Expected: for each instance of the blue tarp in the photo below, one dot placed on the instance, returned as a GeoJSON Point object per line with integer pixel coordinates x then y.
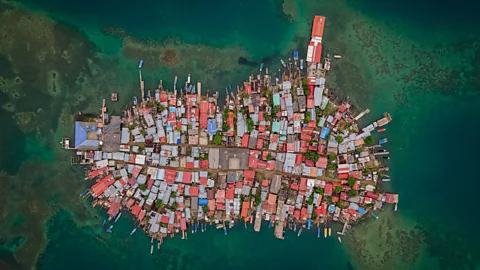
{"type": "Point", "coordinates": [331, 208]}
{"type": "Point", "coordinates": [202, 202]}
{"type": "Point", "coordinates": [212, 127]}
{"type": "Point", "coordinates": [324, 133]}
{"type": "Point", "coordinates": [361, 210]}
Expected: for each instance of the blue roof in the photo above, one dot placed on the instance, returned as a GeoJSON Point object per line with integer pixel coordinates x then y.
{"type": "Point", "coordinates": [324, 132]}
{"type": "Point", "coordinates": [361, 210]}
{"type": "Point", "coordinates": [81, 130]}
{"type": "Point", "coordinates": [276, 127]}
{"type": "Point", "coordinates": [212, 127]}
{"type": "Point", "coordinates": [276, 100]}
{"type": "Point", "coordinates": [331, 208]}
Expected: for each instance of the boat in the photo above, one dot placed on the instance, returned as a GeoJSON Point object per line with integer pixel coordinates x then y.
{"type": "Point", "coordinates": [329, 231]}
{"type": "Point", "coordinates": [309, 224]}
{"type": "Point", "coordinates": [193, 228]}
{"type": "Point", "coordinates": [83, 193]}
{"type": "Point", "coordinates": [133, 231]}
{"type": "Point", "coordinates": [104, 221]}
{"type": "Point", "coordinates": [396, 207]}
{"type": "Point", "coordinates": [109, 230]}
{"type": "Point", "coordinates": [225, 230]}
{"type": "Point", "coordinates": [301, 63]}
{"type": "Point", "coordinates": [140, 64]}
{"type": "Point", "coordinates": [151, 249]}
{"type": "Point", "coordinates": [385, 179]}
{"type": "Point", "coordinates": [318, 232]}
{"type": "Point", "coordinates": [382, 141]}
{"type": "Point", "coordinates": [382, 130]}
{"type": "Point", "coordinates": [270, 224]}
{"type": "Point", "coordinates": [283, 63]}
{"type": "Point", "coordinates": [261, 67]}
{"type": "Point", "coordinates": [299, 232]}
{"type": "Point", "coordinates": [295, 55]}
{"type": "Point", "coordinates": [175, 81]}
{"type": "Point", "coordinates": [202, 227]}
{"type": "Point", "coordinates": [188, 79]}
{"type": "Point", "coordinates": [325, 232]}
{"type": "Point", "coordinates": [118, 217]}
{"type": "Point", "coordinates": [374, 216]}
{"type": "Point", "coordinates": [339, 239]}
{"type": "Point", "coordinates": [134, 100]}
{"type": "Point", "coordinates": [336, 56]}
{"type": "Point", "coordinates": [327, 64]}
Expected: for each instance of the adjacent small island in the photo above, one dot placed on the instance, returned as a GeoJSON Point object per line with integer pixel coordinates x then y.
{"type": "Point", "coordinates": [279, 149]}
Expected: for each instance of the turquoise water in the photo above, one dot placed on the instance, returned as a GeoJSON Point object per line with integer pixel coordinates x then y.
{"type": "Point", "coordinates": [418, 60]}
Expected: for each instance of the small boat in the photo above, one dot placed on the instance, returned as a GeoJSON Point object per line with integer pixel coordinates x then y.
{"type": "Point", "coordinates": [104, 221]}
{"type": "Point", "coordinates": [299, 232]}
{"type": "Point", "coordinates": [118, 217]}
{"type": "Point", "coordinates": [396, 206]}
{"type": "Point", "coordinates": [301, 63]}
{"type": "Point", "coordinates": [385, 179]}
{"type": "Point", "coordinates": [109, 230]}
{"type": "Point", "coordinates": [133, 231]}
{"type": "Point", "coordinates": [188, 79]}
{"type": "Point", "coordinates": [225, 230]}
{"type": "Point", "coordinates": [202, 227]}
{"type": "Point", "coordinates": [329, 231]}
{"type": "Point", "coordinates": [326, 66]}
{"type": "Point", "coordinates": [318, 232]}
{"type": "Point", "coordinates": [325, 232]}
{"type": "Point", "coordinates": [382, 141]}
{"type": "Point", "coordinates": [261, 67]}
{"type": "Point", "coordinates": [283, 63]}
{"type": "Point", "coordinates": [134, 100]}
{"type": "Point", "coordinates": [309, 224]}
{"type": "Point", "coordinates": [175, 81]}
{"type": "Point", "coordinates": [374, 216]}
{"type": "Point", "coordinates": [336, 56]}
{"type": "Point", "coordinates": [189, 89]}
{"type": "Point", "coordinates": [339, 239]}
{"type": "Point", "coordinates": [140, 64]}
{"type": "Point", "coordinates": [386, 157]}
{"type": "Point", "coordinates": [151, 249]}
{"type": "Point", "coordinates": [83, 193]}
{"type": "Point", "coordinates": [295, 55]}
{"type": "Point", "coordinates": [382, 130]}
{"type": "Point", "coordinates": [193, 228]}
{"type": "Point", "coordinates": [270, 224]}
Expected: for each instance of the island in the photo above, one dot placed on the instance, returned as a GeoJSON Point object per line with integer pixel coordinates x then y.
{"type": "Point", "coordinates": [277, 148]}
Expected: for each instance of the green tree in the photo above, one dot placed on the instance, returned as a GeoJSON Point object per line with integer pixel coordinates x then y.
{"type": "Point", "coordinates": [304, 81]}
{"type": "Point", "coordinates": [332, 157]}
{"type": "Point", "coordinates": [339, 204]}
{"type": "Point", "coordinates": [327, 109]}
{"type": "Point", "coordinates": [352, 193]}
{"type": "Point", "coordinates": [338, 189]}
{"type": "Point", "coordinates": [311, 155]}
{"type": "Point", "coordinates": [142, 187]}
{"type": "Point", "coordinates": [174, 206]}
{"type": "Point", "coordinates": [269, 157]}
{"type": "Point", "coordinates": [159, 204]}
{"type": "Point", "coordinates": [351, 181]}
{"type": "Point", "coordinates": [217, 139]}
{"type": "Point", "coordinates": [205, 209]}
{"type": "Point", "coordinates": [318, 190]}
{"type": "Point", "coordinates": [369, 140]}
{"type": "Point", "coordinates": [310, 199]}
{"type": "Point", "coordinates": [339, 139]}
{"type": "Point", "coordinates": [258, 200]}
{"type": "Point", "coordinates": [250, 125]}
{"type": "Point", "coordinates": [307, 117]}
{"type": "Point", "coordinates": [306, 91]}
{"type": "Point", "coordinates": [225, 127]}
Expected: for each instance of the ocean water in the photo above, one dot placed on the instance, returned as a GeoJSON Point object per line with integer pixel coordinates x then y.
{"type": "Point", "coordinates": [419, 60]}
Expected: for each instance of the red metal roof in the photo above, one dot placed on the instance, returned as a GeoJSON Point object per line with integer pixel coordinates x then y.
{"type": "Point", "coordinates": [318, 26]}
{"type": "Point", "coordinates": [328, 189]}
{"type": "Point", "coordinates": [245, 206]}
